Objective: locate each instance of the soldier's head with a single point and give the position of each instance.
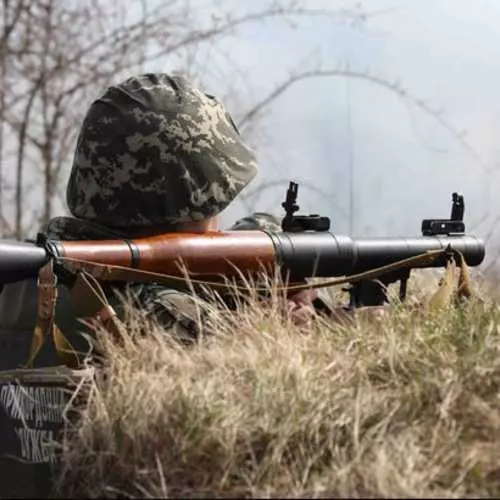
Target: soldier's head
(156, 153)
(256, 221)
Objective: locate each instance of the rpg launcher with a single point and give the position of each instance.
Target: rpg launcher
(364, 254)
(306, 248)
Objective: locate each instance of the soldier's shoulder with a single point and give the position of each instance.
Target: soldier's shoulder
(256, 221)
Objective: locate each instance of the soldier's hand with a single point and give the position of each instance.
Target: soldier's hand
(300, 307)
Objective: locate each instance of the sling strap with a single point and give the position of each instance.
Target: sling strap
(107, 272)
(45, 321)
(91, 305)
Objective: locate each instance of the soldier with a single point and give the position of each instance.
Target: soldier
(155, 154)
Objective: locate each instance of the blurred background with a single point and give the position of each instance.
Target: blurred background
(379, 109)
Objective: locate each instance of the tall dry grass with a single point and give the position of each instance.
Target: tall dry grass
(404, 408)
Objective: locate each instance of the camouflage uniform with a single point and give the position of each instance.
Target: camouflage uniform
(256, 221)
(154, 151)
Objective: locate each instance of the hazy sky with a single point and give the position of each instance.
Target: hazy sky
(406, 165)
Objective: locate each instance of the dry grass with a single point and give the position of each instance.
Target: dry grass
(408, 408)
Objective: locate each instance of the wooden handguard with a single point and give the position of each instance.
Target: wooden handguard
(201, 254)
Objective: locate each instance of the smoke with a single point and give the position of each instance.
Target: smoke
(405, 163)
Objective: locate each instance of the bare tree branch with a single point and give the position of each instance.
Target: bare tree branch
(63, 53)
(250, 198)
(20, 157)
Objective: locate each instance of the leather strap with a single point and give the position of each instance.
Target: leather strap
(45, 322)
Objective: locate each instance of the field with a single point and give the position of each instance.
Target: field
(407, 407)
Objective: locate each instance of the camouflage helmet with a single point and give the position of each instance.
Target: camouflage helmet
(258, 220)
(156, 150)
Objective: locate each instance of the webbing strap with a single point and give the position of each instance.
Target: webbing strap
(89, 303)
(464, 280)
(45, 321)
(442, 296)
(107, 272)
(446, 290)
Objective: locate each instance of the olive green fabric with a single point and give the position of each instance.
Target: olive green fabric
(257, 220)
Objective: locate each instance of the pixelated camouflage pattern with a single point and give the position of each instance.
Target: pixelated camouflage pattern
(257, 220)
(156, 150)
(71, 229)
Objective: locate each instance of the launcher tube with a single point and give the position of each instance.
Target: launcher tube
(327, 255)
(20, 260)
(304, 254)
